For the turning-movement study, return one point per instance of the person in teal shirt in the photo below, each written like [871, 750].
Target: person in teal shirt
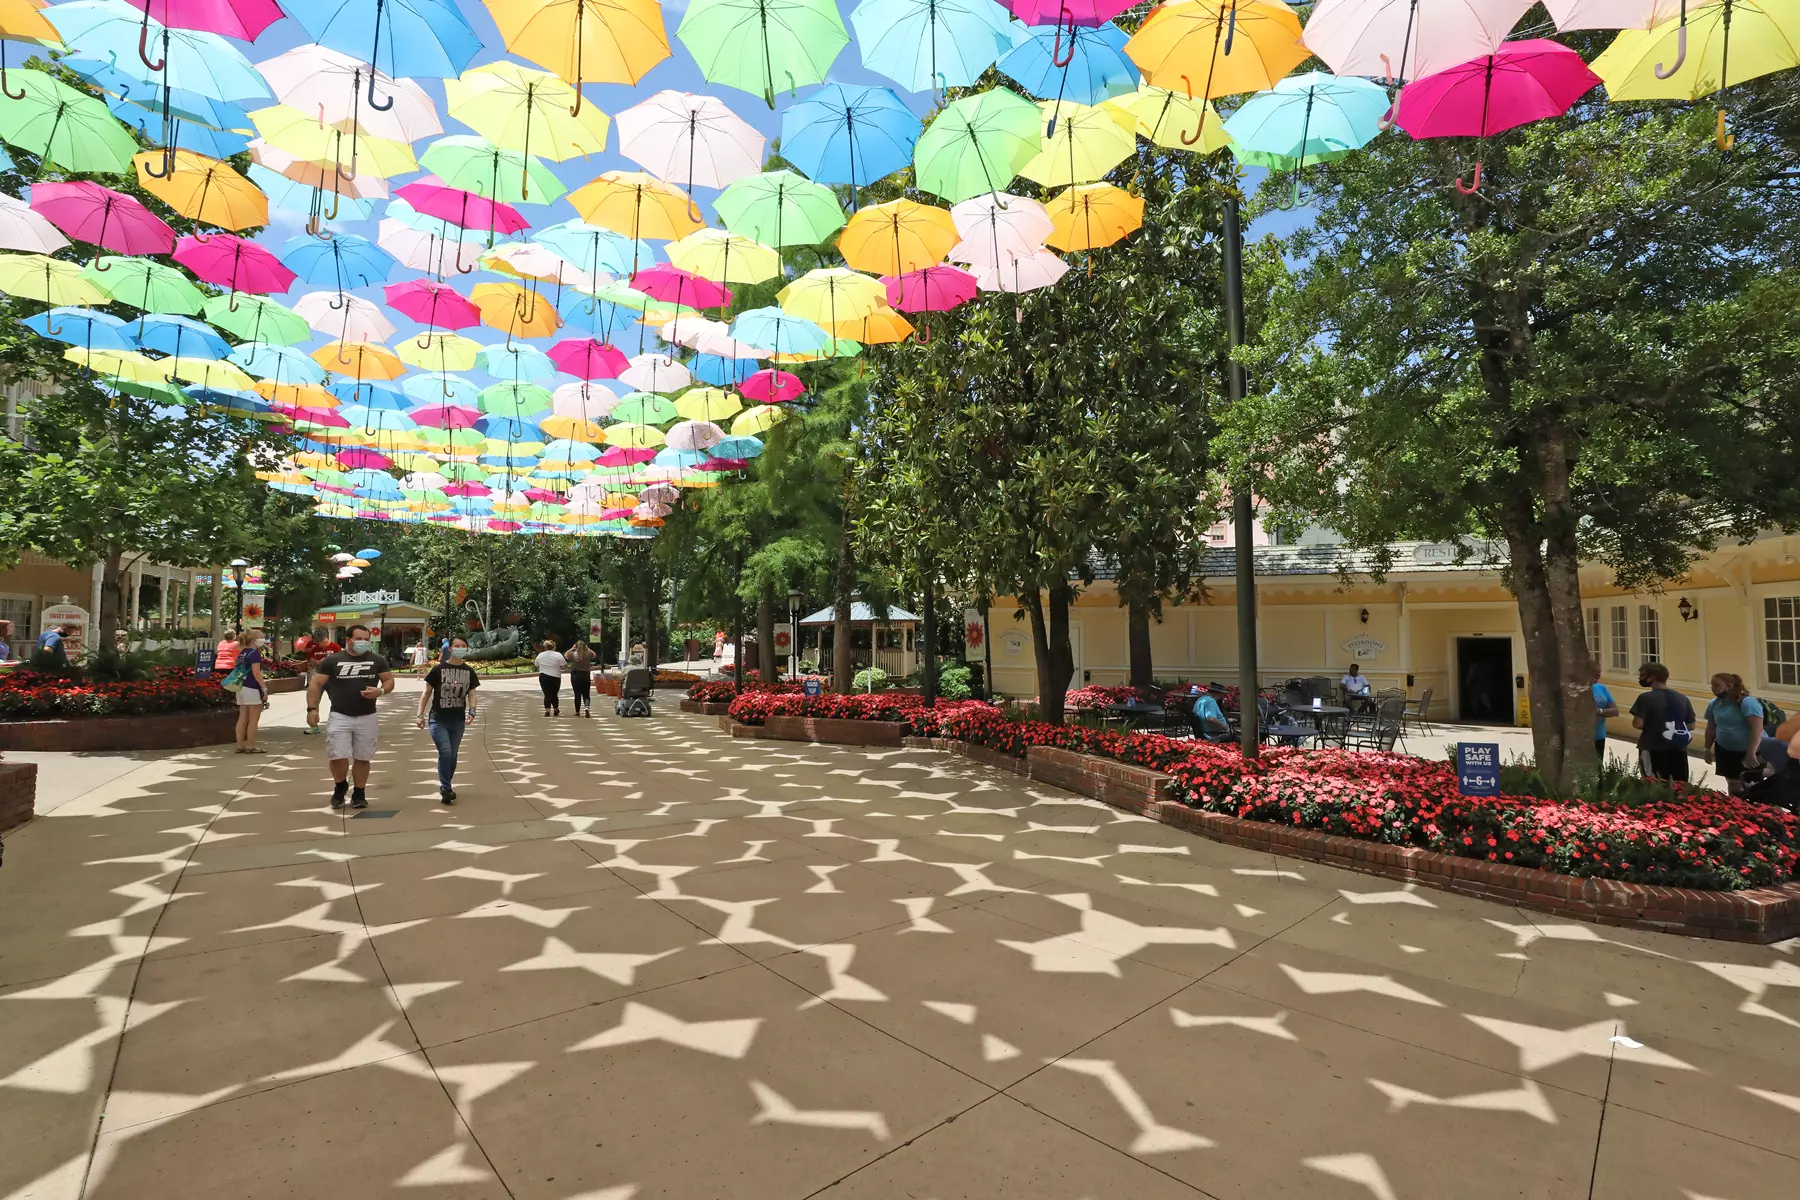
[1604, 706]
[1734, 727]
[1209, 718]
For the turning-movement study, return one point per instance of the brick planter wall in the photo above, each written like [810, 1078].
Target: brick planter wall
[706, 708]
[981, 754]
[1135, 789]
[18, 794]
[834, 729]
[293, 683]
[157, 731]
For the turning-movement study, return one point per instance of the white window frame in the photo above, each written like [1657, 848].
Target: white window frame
[1618, 630]
[1781, 668]
[1649, 633]
[1593, 633]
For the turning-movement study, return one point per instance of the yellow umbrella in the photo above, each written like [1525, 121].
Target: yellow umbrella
[897, 237]
[21, 21]
[312, 458]
[206, 372]
[1172, 120]
[1093, 214]
[1089, 140]
[293, 477]
[633, 436]
[312, 141]
[883, 327]
[575, 429]
[514, 310]
[361, 360]
[585, 41]
[1182, 46]
[1715, 46]
[753, 421]
[828, 295]
[438, 352]
[40, 277]
[206, 189]
[725, 257]
[532, 112]
[706, 404]
[637, 205]
[295, 395]
[119, 364]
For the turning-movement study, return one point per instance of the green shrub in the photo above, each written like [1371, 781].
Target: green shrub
[953, 682]
[861, 682]
[1613, 781]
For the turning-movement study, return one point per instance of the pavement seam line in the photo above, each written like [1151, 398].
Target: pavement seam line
[1600, 1125]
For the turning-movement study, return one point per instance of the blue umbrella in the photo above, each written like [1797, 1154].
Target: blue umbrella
[232, 401]
[181, 337]
[595, 317]
[595, 250]
[368, 554]
[722, 372]
[517, 362]
[346, 260]
[83, 327]
[1086, 65]
[372, 420]
[284, 364]
[398, 37]
[439, 388]
[298, 197]
[379, 397]
[670, 457]
[738, 447]
[774, 329]
[190, 60]
[849, 135]
[928, 45]
[1305, 119]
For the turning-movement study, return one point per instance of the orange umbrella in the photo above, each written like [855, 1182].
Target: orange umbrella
[879, 328]
[361, 360]
[206, 189]
[295, 395]
[585, 41]
[637, 205]
[1092, 214]
[897, 237]
[516, 311]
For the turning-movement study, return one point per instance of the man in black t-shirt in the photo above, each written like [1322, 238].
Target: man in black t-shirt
[354, 679]
[1667, 720]
[449, 703]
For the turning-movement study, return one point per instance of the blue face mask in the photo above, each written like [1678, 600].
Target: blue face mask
[360, 646]
[456, 653]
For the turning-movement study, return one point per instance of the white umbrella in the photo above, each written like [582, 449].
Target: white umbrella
[583, 400]
[1407, 39]
[345, 317]
[688, 330]
[655, 373]
[689, 139]
[335, 88]
[421, 251]
[1614, 14]
[1020, 273]
[660, 493]
[24, 228]
[693, 435]
[994, 226]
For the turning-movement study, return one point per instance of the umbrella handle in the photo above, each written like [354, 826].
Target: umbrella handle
[1723, 140]
[5, 90]
[1231, 29]
[342, 301]
[144, 44]
[1057, 57]
[1471, 188]
[168, 167]
[1680, 55]
[1388, 79]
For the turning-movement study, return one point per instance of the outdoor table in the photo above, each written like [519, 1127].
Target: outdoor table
[1135, 711]
[1320, 715]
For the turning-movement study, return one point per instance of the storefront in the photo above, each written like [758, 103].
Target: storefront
[395, 624]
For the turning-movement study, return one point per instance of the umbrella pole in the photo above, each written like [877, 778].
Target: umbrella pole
[1723, 140]
[525, 154]
[580, 14]
[762, 10]
[1487, 95]
[375, 58]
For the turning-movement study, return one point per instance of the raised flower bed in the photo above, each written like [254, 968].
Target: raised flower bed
[171, 709]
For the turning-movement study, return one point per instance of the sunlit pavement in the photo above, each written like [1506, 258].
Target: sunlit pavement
[642, 959]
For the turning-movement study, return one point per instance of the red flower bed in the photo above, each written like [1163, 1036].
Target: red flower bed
[1094, 697]
[723, 691]
[27, 695]
[1698, 839]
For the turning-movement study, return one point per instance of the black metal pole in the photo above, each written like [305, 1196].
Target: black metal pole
[928, 648]
[1242, 504]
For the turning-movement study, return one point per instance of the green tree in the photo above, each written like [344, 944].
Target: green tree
[1595, 356]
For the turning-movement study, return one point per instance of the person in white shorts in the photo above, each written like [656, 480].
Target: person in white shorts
[354, 679]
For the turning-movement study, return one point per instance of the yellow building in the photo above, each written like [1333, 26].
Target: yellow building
[1435, 625]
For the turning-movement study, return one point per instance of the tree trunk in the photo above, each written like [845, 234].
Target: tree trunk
[1558, 684]
[765, 640]
[1138, 629]
[1050, 645]
[112, 599]
[843, 671]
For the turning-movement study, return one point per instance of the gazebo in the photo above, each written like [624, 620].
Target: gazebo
[885, 640]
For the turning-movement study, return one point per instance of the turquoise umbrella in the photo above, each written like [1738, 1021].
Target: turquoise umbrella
[1307, 119]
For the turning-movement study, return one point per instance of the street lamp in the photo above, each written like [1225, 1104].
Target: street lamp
[793, 633]
[238, 567]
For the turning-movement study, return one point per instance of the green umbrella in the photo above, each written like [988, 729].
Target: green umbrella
[444, 440]
[463, 472]
[513, 400]
[145, 284]
[255, 319]
[328, 477]
[977, 144]
[642, 408]
[780, 208]
[63, 126]
[166, 393]
[763, 46]
[476, 165]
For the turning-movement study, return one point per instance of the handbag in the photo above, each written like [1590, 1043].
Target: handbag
[234, 682]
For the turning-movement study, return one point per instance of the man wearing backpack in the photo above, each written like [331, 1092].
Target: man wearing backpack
[1735, 721]
[1666, 718]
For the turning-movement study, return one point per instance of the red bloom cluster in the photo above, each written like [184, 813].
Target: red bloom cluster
[1698, 839]
[1094, 697]
[27, 695]
[715, 691]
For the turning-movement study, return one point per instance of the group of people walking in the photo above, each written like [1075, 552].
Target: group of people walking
[578, 665]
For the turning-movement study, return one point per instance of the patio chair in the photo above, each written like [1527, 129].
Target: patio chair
[1384, 730]
[1276, 724]
[1419, 712]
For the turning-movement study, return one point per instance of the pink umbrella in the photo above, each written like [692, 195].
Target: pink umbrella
[1091, 13]
[354, 459]
[620, 456]
[315, 416]
[443, 416]
[244, 19]
[774, 387]
[935, 289]
[1398, 40]
[672, 285]
[616, 514]
[1522, 82]
[467, 489]
[233, 263]
[505, 526]
[545, 496]
[723, 464]
[588, 358]
[435, 304]
[463, 209]
[98, 215]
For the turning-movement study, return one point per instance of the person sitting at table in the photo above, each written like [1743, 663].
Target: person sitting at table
[1356, 688]
[1208, 719]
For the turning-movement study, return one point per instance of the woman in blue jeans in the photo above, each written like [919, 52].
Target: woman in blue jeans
[446, 707]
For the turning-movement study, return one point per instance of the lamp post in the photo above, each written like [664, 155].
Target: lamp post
[238, 567]
[1242, 503]
[793, 634]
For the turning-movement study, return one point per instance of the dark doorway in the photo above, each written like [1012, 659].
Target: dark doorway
[1484, 679]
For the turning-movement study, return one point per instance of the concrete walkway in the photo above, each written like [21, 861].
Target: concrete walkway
[641, 960]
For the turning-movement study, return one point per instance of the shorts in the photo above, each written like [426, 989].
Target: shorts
[1664, 764]
[351, 737]
[248, 697]
[1730, 764]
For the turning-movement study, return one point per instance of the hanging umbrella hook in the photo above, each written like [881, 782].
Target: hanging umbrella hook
[1680, 54]
[1231, 29]
[1057, 57]
[5, 88]
[168, 162]
[1725, 141]
[1470, 189]
[144, 44]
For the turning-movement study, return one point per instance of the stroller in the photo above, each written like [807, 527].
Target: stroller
[634, 693]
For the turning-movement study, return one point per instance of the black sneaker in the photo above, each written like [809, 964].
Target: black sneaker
[338, 792]
[358, 799]
[447, 795]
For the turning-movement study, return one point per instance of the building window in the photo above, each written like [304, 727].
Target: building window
[19, 610]
[1593, 635]
[1619, 637]
[1781, 635]
[1649, 634]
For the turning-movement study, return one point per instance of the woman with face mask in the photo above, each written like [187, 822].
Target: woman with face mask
[253, 697]
[446, 707]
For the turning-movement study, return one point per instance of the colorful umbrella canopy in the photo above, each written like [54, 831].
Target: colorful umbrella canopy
[244, 19]
[896, 237]
[1087, 141]
[145, 284]
[763, 46]
[1310, 118]
[694, 140]
[477, 165]
[585, 41]
[935, 289]
[82, 327]
[1614, 14]
[1521, 82]
[1213, 48]
[849, 135]
[180, 336]
[977, 144]
[586, 358]
[419, 38]
[643, 408]
[192, 60]
[694, 435]
[463, 209]
[346, 261]
[670, 283]
[1095, 214]
[203, 188]
[256, 319]
[654, 373]
[774, 387]
[707, 404]
[102, 217]
[433, 304]
[351, 318]
[65, 127]
[776, 329]
[758, 420]
[831, 295]
[781, 209]
[22, 228]
[331, 84]
[508, 104]
[725, 257]
[1020, 272]
[438, 352]
[1173, 120]
[345, 153]
[1401, 40]
[994, 226]
[636, 205]
[40, 277]
[282, 364]
[1721, 43]
[231, 262]
[1063, 63]
[930, 45]
[515, 310]
[359, 360]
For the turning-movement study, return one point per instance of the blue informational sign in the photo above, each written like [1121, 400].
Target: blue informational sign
[813, 687]
[1478, 768]
[203, 663]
